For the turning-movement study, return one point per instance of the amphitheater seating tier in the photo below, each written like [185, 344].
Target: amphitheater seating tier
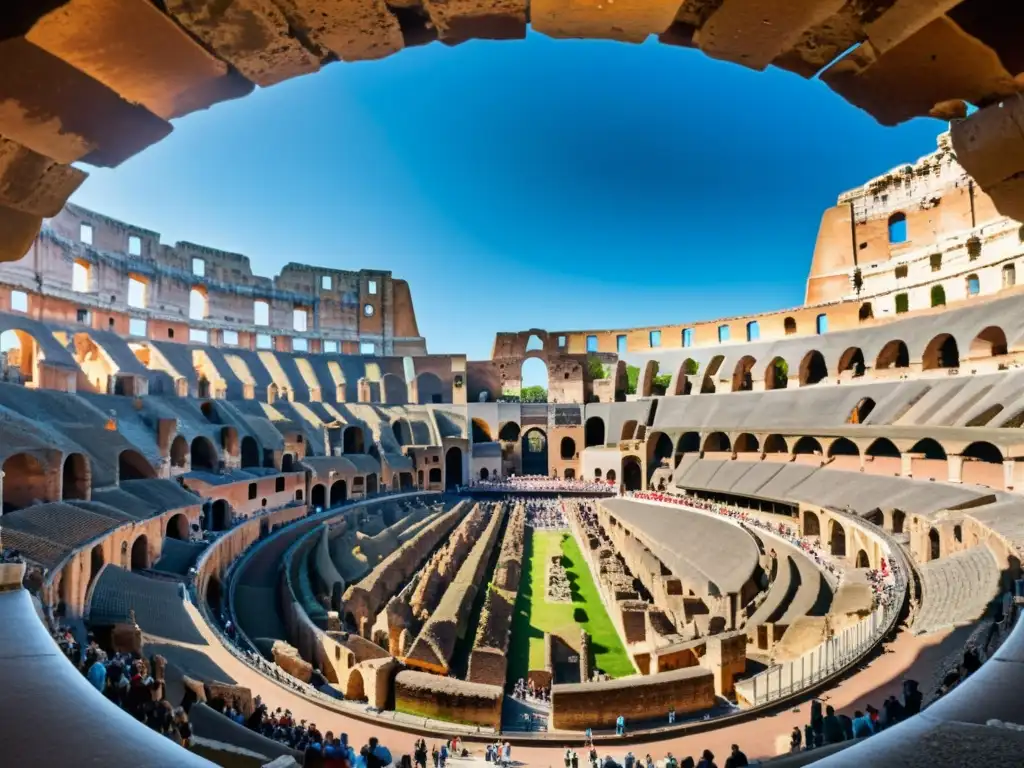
[955, 590]
[157, 604]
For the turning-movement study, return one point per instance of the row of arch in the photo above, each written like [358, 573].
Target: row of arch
[942, 351]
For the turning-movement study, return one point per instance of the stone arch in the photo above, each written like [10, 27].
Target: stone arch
[746, 443]
[938, 296]
[355, 690]
[898, 228]
[352, 440]
[220, 515]
[861, 411]
[934, 544]
[179, 452]
[866, 312]
[318, 496]
[708, 386]
[893, 355]
[775, 444]
[812, 525]
[632, 474]
[852, 360]
[339, 492]
[931, 449]
[837, 539]
[25, 481]
[534, 451]
[429, 389]
[776, 374]
[453, 467]
[203, 454]
[789, 326]
[76, 477]
[434, 475]
[593, 432]
[941, 352]
[570, 473]
[402, 431]
[899, 517]
[717, 442]
[648, 376]
[97, 559]
[843, 447]
[862, 559]
[958, 534]
[510, 432]
[990, 342]
[132, 465]
[24, 353]
[807, 445]
[610, 476]
[393, 390]
[567, 448]
[628, 430]
[250, 452]
[371, 483]
[812, 368]
[483, 473]
[742, 380]
[689, 367]
[140, 553]
[287, 462]
[753, 330]
[689, 442]
[983, 451]
[480, 431]
[883, 446]
[535, 342]
[177, 527]
[659, 449]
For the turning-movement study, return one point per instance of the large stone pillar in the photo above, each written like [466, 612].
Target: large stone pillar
[956, 464]
[906, 464]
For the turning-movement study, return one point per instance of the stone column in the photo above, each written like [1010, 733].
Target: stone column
[956, 464]
[906, 466]
[1008, 474]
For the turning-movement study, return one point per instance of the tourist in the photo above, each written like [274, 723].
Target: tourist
[443, 757]
[568, 757]
[629, 761]
[620, 726]
[98, 672]
[575, 759]
[649, 761]
[707, 760]
[670, 761]
[795, 739]
[588, 737]
[810, 737]
[736, 758]
[893, 712]
[687, 762]
[832, 727]
[506, 754]
[861, 725]
[672, 716]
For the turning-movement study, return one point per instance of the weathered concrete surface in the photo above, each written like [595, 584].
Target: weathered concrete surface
[458, 20]
[990, 146]
[446, 698]
[19, 229]
[630, 21]
[33, 183]
[355, 30]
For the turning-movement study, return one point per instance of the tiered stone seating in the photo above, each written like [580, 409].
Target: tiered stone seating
[955, 590]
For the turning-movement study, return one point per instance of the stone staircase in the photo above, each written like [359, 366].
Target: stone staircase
[956, 590]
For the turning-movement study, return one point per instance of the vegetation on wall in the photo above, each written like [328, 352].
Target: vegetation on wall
[596, 369]
[534, 394]
[659, 384]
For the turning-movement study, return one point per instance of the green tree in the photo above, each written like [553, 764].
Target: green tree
[691, 367]
[595, 369]
[660, 384]
[632, 376]
[535, 394]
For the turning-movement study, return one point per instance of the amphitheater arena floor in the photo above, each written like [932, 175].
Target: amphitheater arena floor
[906, 657]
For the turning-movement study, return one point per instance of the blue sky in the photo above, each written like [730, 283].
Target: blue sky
[540, 183]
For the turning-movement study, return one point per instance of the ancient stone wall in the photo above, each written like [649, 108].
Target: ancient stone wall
[597, 705]
[445, 698]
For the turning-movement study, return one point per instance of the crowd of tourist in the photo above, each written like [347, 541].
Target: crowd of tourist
[828, 727]
[526, 690]
[544, 514]
[540, 484]
[736, 759]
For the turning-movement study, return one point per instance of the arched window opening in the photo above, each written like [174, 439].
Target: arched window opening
[893, 355]
[352, 440]
[934, 545]
[434, 476]
[843, 447]
[659, 452]
[775, 444]
[958, 534]
[821, 324]
[250, 452]
[628, 430]
[429, 389]
[570, 473]
[197, 304]
[483, 473]
[898, 519]
[941, 352]
[534, 343]
[220, 516]
[789, 326]
[177, 527]
[567, 449]
[862, 559]
[535, 384]
[776, 375]
[930, 448]
[593, 432]
[610, 476]
[837, 541]
[938, 296]
[132, 465]
[897, 228]
[25, 482]
[866, 312]
[807, 446]
[982, 451]
[402, 431]
[717, 442]
[746, 443]
[453, 467]
[883, 447]
[318, 496]
[973, 285]
[632, 475]
[852, 360]
[481, 432]
[723, 334]
[753, 330]
[140, 553]
[1009, 275]
[509, 432]
[689, 442]
[339, 492]
[812, 526]
[203, 454]
[812, 368]
[76, 479]
[861, 411]
[990, 342]
[229, 440]
[708, 387]
[742, 377]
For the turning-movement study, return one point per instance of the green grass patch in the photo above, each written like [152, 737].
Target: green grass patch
[534, 615]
